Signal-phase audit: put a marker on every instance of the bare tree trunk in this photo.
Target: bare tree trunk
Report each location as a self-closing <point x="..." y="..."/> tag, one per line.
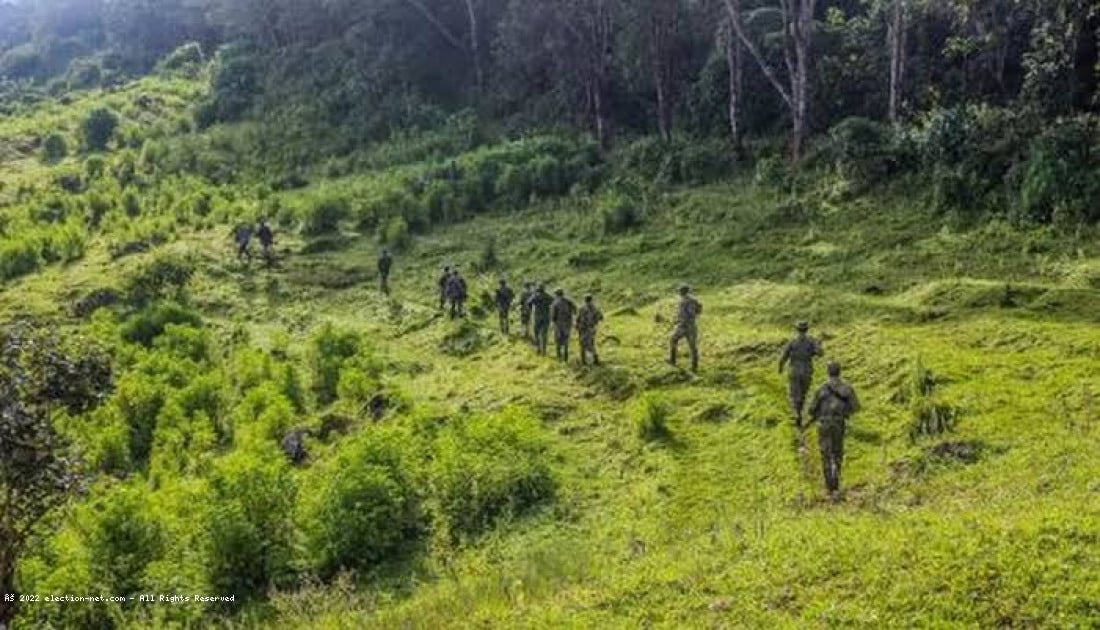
<point x="895" y="34"/>
<point x="602" y="62"/>
<point x="734" y="63"/>
<point x="475" y="46"/>
<point x="662" y="18"/>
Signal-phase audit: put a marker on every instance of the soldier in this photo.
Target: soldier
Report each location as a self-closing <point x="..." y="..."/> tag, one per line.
<point x="833" y="404"/>
<point x="242" y="234"/>
<point x="456" y="293"/>
<point x="800" y="352"/>
<point x="504" y="298"/>
<point x="539" y="303"/>
<point x="562" y="312"/>
<point x="267" y="239"/>
<point x="587" y="319"/>
<point x="385" y="263"/>
<point x="442" y="285"/>
<point x="525" y="307"/>
<point x="686" y="327"/>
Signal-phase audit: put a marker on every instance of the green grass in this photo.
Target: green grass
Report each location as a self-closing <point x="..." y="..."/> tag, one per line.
<point x="722" y="520"/>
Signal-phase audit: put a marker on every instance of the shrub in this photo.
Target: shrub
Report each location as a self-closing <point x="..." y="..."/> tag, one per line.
<point x="330" y="349"/>
<point x="489" y="467"/>
<point x="84" y="74"/>
<point x="1060" y="174"/>
<point x="164" y="277"/>
<point x="94" y="167"/>
<point x="98" y="128"/>
<point x="146" y="325"/>
<point x="324" y="216"/>
<point x="187" y="58"/>
<point x="359" y="509"/>
<point x="395" y="233"/>
<point x="123" y="534"/>
<point x="861" y="150"/>
<point x="18" y="257"/>
<point x="651" y="418"/>
<point x="54" y="148"/>
<point x="618" y="212"/>
<point x="250" y="524"/>
<point x="137" y="402"/>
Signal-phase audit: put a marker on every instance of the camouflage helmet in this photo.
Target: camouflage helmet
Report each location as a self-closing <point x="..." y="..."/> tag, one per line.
<point x="833" y="369"/>
<point x="802" y="326"/>
<point x="684" y="289"/>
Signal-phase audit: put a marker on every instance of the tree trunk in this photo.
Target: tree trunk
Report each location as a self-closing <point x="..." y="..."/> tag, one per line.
<point x="475" y="46"/>
<point x="734" y="61"/>
<point x="662" y="17"/>
<point x="603" y="58"/>
<point x="7" y="589"/>
<point x="895" y="34"/>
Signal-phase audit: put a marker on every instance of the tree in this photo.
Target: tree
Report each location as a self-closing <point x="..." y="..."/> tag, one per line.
<point x="797" y="36"/>
<point x="896" y="41"/>
<point x="38" y="376"/>
<point x="98" y="128"/>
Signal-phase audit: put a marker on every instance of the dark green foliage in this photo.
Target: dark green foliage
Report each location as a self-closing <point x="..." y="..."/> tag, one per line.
<point x="84" y="74"/>
<point x="1061" y="179"/>
<point x="862" y="150"/>
<point x="251" y="525"/>
<point x="187" y="58"/>
<point x="359" y="509"/>
<point x="234" y="85"/>
<point x="651" y="419"/>
<point x="677" y="161"/>
<point x="163" y="277"/>
<point x="146" y="325"/>
<point x="619" y="212"/>
<point x="54" y="148"/>
<point x="486" y="468"/>
<point x="18" y="257"/>
<point x="324" y="216"/>
<point x="98" y="128"/>
<point x="123" y="535"/>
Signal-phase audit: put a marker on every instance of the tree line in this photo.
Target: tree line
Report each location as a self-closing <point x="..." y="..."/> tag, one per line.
<point x="739" y="67"/>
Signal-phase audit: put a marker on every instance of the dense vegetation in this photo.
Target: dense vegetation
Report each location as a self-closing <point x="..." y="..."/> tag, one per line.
<point x="923" y="188"/>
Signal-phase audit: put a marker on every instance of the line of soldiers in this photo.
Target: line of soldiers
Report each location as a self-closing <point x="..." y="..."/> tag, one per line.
<point x="453" y="292"/>
<point x="538" y="312"/>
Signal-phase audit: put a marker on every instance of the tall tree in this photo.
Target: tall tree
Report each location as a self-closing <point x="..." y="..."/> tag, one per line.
<point x="896" y="40"/>
<point x="797" y="18"/>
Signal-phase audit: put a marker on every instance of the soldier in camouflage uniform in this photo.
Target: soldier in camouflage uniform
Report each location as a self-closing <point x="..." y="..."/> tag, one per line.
<point x="686" y="327"/>
<point x="442" y="286"/>
<point x="588" y="318"/>
<point x="539" y="303"/>
<point x="562" y="312"/>
<point x="833" y="404"/>
<point x="504" y="297"/>
<point x="456" y="294"/>
<point x="525" y="307"/>
<point x="800" y="352"/>
<point x="385" y="263"/>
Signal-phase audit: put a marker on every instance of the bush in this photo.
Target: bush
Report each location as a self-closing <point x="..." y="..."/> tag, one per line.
<point x="164" y="277"/>
<point x="186" y="58"/>
<point x="250" y="524"/>
<point x="1061" y="175"/>
<point x="234" y="85"/>
<point x="651" y="418"/>
<point x="618" y="212"/>
<point x="94" y="167"/>
<point x="359" y="509"/>
<point x="145" y="326"/>
<point x="395" y="233"/>
<point x="84" y="74"/>
<point x="486" y="468"/>
<point x="861" y="150"/>
<point x="330" y="349"/>
<point x="98" y="128"/>
<point x="137" y="403"/>
<point x="54" y="148"/>
<point x="324" y="216"/>
<point x="18" y="257"/>
<point x="123" y="535"/>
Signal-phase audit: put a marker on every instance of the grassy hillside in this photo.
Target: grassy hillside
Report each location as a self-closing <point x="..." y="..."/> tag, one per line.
<point x="498" y="489"/>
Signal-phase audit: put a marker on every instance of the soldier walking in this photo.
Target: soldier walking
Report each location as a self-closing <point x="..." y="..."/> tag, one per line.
<point x="800" y="352"/>
<point x="562" y="312"/>
<point x="686" y="327"/>
<point x="441" y="284"/>
<point x="833" y="404"/>
<point x="525" y="307"/>
<point x="242" y="235"/>
<point x="539" y="303"/>
<point x="588" y="318"/>
<point x="456" y="294"/>
<point x="267" y="240"/>
<point x="504" y="298"/>
<point x="385" y="263"/>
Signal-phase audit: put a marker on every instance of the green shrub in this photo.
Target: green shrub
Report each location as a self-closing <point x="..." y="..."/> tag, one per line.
<point x="84" y="74"/>
<point x="359" y="509"/>
<point x="18" y="257"/>
<point x="619" y="213"/>
<point x="486" y="468"/>
<point x="54" y="148"/>
<point x="137" y="402"/>
<point x="123" y="534"/>
<point x="324" y="216"/>
<point x="146" y="325"/>
<point x="251" y="526"/>
<point x="164" y="277"/>
<point x="651" y="418"/>
<point x="186" y="58"/>
<point x="94" y="167"/>
<point x="861" y="150"/>
<point x="395" y="233"/>
<point x="1061" y="174"/>
<point x="330" y="348"/>
<point x="98" y="128"/>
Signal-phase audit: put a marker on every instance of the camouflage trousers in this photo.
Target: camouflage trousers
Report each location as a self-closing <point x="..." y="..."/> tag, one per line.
<point x="542" y="330"/>
<point x="690" y="332"/>
<point x="830" y="437"/>
<point x="588" y="345"/>
<point x="384" y="283"/>
<point x="504" y="320"/>
<point x="525" y="319"/>
<point x="798" y="387"/>
<point x="561" y="341"/>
